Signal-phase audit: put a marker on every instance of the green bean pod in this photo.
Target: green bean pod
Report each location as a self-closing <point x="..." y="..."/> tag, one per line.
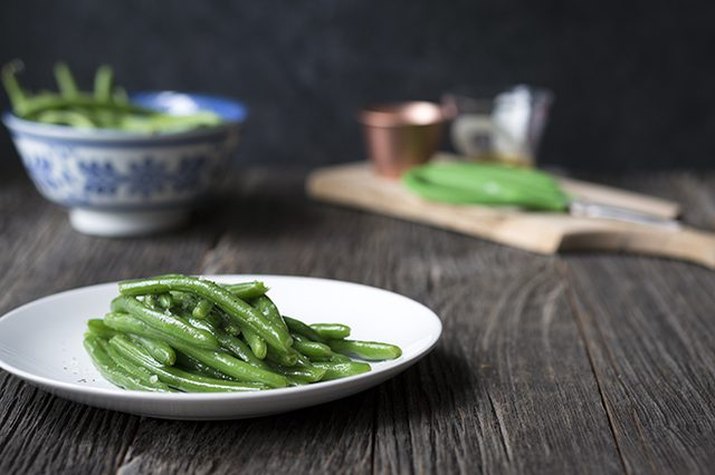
<point x="256" y="343"/>
<point x="202" y="308"/>
<point x="165" y="322"/>
<point x="103" y="82"/>
<point x="285" y="359"/>
<point x="275" y="336"/>
<point x="109" y="369"/>
<point x="226" y="323"/>
<point x="159" y="350"/>
<point x="140" y="372"/>
<point x="300" y="328"/>
<point x="301" y="374"/>
<point x="269" y="310"/>
<point x="366" y="350"/>
<point x="174" y="377"/>
<point x="65" y="81"/>
<point x="97" y="327"/>
<point x="126" y="323"/>
<point x="150" y="301"/>
<point x="165" y="301"/>
<point x="331" y="331"/>
<point x="229" y="342"/>
<point x="312" y="349"/>
<point x="339" y="358"/>
<point x="234" y="367"/>
<point x="18" y="97"/>
<point x="191" y="365"/>
<point x="247" y="290"/>
<point x="342" y="369"/>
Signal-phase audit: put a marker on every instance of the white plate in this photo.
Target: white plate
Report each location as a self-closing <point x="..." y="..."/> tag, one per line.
<point x="41" y="342"/>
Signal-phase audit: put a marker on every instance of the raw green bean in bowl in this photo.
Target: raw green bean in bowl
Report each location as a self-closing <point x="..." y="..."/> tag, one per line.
<point x="180" y="333"/>
<point x="123" y="164"/>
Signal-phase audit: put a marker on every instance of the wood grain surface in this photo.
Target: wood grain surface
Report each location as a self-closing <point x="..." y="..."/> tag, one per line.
<point x="586" y="363"/>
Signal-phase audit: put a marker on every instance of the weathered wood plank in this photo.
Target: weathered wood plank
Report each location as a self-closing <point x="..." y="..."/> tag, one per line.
<point x="40" y="433"/>
<point x="324" y="439"/>
<point x="41" y="255"/>
<point x="510" y="388"/>
<point x="649" y="331"/>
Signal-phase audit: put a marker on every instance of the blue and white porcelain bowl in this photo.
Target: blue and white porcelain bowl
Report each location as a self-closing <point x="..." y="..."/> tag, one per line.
<point x="118" y="183"/>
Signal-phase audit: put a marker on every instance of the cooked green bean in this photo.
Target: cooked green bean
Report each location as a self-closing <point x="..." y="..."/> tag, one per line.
<point x="275" y="336"/>
<point x="342" y="369"/>
<point x="125" y="323"/>
<point x="103" y="83"/>
<point x="165" y="301"/>
<point x="234" y="367"/>
<point x="231" y="328"/>
<point x="244" y="291"/>
<point x="166" y="323"/>
<point x="296" y="326"/>
<point x="286" y="359"/>
<point x="247" y="290"/>
<point x="109" y="369"/>
<point x="174" y="377"/>
<point x="229" y="342"/>
<point x="241" y="349"/>
<point x="142" y="373"/>
<point x="255" y="342"/>
<point x="97" y="327"/>
<point x="312" y="349"/>
<point x="269" y="310"/>
<point x="331" y="331"/>
<point x="217" y="360"/>
<point x="202" y="309"/>
<point x="159" y="350"/>
<point x="366" y="350"/>
<point x="487" y="184"/>
<point x="150" y="301"/>
<point x="303" y="374"/>
<point x="190" y="364"/>
<point x="339" y="358"/>
<point x="18" y="97"/>
<point x="65" y="81"/>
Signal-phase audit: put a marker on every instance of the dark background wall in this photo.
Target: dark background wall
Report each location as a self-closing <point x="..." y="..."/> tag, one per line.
<point x="635" y="84"/>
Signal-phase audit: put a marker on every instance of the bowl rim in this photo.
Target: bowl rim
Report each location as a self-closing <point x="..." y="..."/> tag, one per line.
<point x="17" y="125"/>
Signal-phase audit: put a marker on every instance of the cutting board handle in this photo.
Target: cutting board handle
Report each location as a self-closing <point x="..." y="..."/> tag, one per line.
<point x="686" y="243"/>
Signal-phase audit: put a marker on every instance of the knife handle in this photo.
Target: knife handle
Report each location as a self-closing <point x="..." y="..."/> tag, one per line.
<point x="687" y="244"/>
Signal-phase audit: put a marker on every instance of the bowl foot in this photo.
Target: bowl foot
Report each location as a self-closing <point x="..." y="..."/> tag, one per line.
<point x="125" y="223"/>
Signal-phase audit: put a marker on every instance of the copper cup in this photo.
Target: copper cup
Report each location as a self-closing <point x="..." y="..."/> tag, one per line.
<point x="401" y="135"/>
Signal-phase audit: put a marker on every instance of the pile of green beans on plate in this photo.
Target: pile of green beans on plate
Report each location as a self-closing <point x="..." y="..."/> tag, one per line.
<point x="181" y="333"/>
<point x="106" y="107"/>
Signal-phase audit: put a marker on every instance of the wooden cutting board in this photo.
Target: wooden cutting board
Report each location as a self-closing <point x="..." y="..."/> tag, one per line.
<point x="355" y="185"/>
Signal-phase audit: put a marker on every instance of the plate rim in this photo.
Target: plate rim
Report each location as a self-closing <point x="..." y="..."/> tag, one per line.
<point x="127" y="394"/>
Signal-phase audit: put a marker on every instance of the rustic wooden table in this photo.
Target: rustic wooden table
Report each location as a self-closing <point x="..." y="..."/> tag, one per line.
<point x="579" y="363"/>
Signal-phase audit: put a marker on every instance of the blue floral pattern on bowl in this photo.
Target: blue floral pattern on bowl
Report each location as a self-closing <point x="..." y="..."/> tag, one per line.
<point x="120" y="171"/>
<point x="93" y="176"/>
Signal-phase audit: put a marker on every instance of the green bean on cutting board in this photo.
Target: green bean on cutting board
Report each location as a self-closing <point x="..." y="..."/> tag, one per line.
<point x="486" y="184"/>
<point x="181" y="333"/>
<point x="105" y="107"/>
